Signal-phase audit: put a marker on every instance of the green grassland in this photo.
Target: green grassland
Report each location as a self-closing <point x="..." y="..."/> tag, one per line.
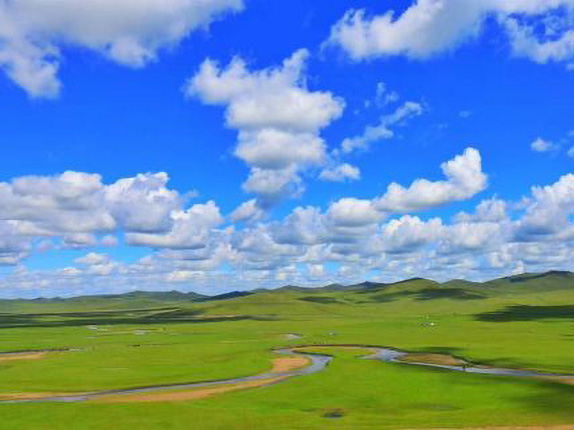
<point x="142" y="339"/>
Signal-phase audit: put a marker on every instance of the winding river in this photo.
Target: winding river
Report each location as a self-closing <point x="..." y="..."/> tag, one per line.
<point x="317" y="362"/>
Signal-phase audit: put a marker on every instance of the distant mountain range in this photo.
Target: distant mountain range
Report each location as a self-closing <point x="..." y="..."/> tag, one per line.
<point x="531" y="282"/>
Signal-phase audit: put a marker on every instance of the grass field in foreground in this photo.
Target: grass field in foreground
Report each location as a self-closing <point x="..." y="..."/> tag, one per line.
<point x="187" y="341"/>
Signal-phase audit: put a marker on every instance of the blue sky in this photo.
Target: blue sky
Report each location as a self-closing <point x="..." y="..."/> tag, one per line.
<point x="234" y="144"/>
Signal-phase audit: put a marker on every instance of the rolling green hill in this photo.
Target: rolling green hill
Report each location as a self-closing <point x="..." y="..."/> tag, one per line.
<point x="415" y="289"/>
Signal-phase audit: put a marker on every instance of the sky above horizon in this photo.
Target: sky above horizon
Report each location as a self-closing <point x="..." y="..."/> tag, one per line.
<point x="217" y="145"/>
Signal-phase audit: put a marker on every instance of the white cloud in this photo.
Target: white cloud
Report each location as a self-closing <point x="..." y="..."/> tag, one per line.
<point x="548" y="212"/>
<point x="382" y="130"/>
<point x="409" y="233"/>
<point x="542" y="145"/>
<point x="463" y="237"/>
<point x="184" y="276"/>
<point x="69" y="203"/>
<point x="273" y="185"/>
<point x="431" y="27"/>
<point x="248" y="211"/>
<point x="464" y="180"/>
<point x="101" y="269"/>
<point x="191" y="229"/>
<point x="316" y="271"/>
<point x="13" y="246"/>
<point x="76" y="202"/>
<point x="352" y="238"/>
<point x="384" y="96"/>
<point x="143" y="203"/>
<point x="70" y="271"/>
<point x="490" y="210"/>
<point x="274" y="149"/>
<point x="270" y="98"/>
<point x="129" y="32"/>
<point x="79" y="240"/>
<point x="425" y="28"/>
<point x="93" y="264"/>
<point x="81" y="211"/>
<point x="303" y="226"/>
<point x="571" y="152"/>
<point x="556" y="45"/>
<point x="351" y="212"/>
<point x="340" y="173"/>
<point x="92" y="259"/>
<point x="109" y="240"/>
<point x="278" y="119"/>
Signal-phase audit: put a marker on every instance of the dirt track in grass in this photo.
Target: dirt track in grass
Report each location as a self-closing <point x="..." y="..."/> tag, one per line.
<point x="186" y="395"/>
<point x="287" y="364"/>
<point x="22" y="356"/>
<point x="439" y="359"/>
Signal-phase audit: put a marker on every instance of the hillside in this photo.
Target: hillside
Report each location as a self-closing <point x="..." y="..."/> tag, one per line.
<point x="296" y="299"/>
<point x="131" y="300"/>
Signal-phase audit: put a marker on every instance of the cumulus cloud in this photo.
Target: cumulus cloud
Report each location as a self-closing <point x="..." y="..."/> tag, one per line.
<point x="81" y="211"/>
<point x="92" y="258"/>
<point x="77" y="202"/>
<point x="548" y="212"/>
<point x="68" y="203"/>
<point x="316" y="271"/>
<point x="351" y="212"/>
<point x="179" y="276"/>
<point x="350" y="239"/>
<point x="555" y="44"/>
<point x="272" y="186"/>
<point x="247" y="211"/>
<point x="425" y="28"/>
<point x="472" y="236"/>
<point x="542" y="145"/>
<point x="274" y="149"/>
<point x="382" y="131"/>
<point x="93" y="264"/>
<point x="430" y="27"/>
<point x="79" y="240"/>
<point x="303" y="226"/>
<point x="143" y="203"/>
<point x="191" y="229"/>
<point x="128" y="32"/>
<point x="464" y="180"/>
<point x="13" y="246"/>
<point x="409" y="233"/>
<point x="277" y="117"/>
<point x="345" y="224"/>
<point x="340" y="173"/>
<point x="109" y="240"/>
<point x="490" y="210"/>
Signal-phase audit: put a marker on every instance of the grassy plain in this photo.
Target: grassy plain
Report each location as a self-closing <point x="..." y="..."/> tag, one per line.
<point x="522" y="322"/>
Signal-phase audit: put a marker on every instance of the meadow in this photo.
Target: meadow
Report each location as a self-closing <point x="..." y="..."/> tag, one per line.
<point x="136" y="340"/>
